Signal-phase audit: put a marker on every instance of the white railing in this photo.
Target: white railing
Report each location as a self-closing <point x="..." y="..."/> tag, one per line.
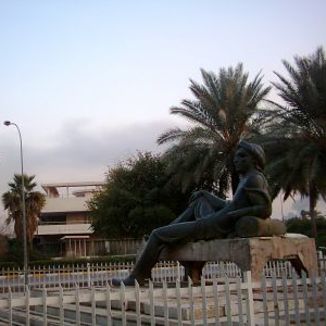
<point x="66" y="276"/>
<point x="99" y="274"/>
<point x="64" y="229"/>
<point x="273" y="301"/>
<point x="86" y="275"/>
<point x="321" y="256"/>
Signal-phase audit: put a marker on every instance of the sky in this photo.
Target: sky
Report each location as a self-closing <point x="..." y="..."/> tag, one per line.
<point x="91" y="82"/>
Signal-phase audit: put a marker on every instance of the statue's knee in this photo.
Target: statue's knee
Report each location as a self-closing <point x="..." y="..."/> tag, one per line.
<point x="154" y="234"/>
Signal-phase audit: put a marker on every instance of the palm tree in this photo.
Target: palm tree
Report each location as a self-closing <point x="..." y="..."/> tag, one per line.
<point x="34" y="201"/>
<point x="223" y="111"/>
<point x="299" y="157"/>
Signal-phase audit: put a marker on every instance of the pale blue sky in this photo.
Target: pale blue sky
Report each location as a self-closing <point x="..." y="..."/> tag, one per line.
<point x="89" y="82"/>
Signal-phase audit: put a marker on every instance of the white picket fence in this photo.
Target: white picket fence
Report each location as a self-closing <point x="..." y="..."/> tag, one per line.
<point x="67" y="276"/>
<point x="100" y="274"/>
<point x="81" y="295"/>
<point x="220" y="301"/>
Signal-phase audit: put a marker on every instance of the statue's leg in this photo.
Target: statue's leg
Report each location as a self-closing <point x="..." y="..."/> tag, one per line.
<point x="199" y="208"/>
<point x="186" y="216"/>
<point x="160" y="237"/>
<point x="202" y="208"/>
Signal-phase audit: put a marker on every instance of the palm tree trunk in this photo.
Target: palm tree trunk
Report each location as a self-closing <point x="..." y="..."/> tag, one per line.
<point x="313" y="195"/>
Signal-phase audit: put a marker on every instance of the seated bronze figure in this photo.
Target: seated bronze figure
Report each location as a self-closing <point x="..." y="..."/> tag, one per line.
<point x="209" y="217"/>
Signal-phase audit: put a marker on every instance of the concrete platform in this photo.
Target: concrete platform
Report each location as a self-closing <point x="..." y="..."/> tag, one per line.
<point x="250" y="254"/>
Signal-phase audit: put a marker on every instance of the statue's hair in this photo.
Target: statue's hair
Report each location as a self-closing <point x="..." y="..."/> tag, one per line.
<point x="256" y="151"/>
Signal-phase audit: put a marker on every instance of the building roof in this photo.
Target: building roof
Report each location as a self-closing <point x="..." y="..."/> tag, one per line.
<point x="52" y="188"/>
<point x="72" y="184"/>
<point x="67" y="237"/>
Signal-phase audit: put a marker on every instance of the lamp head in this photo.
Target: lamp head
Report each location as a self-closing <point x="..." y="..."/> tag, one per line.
<point x="7" y="123"/>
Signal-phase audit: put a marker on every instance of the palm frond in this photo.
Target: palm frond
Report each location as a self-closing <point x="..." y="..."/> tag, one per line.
<point x="223" y="111"/>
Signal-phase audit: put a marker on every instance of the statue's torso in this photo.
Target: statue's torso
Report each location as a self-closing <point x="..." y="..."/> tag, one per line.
<point x="251" y="191"/>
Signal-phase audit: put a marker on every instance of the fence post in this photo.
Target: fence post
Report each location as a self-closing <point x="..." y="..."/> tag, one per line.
<point x="27" y="307"/>
<point x="320" y="260"/>
<point x="93" y="305"/>
<point x="45" y="312"/>
<point x="61" y="309"/>
<point x="89" y="275"/>
<point x="178" y="272"/>
<point x="250" y="299"/>
<point x="10" y="306"/>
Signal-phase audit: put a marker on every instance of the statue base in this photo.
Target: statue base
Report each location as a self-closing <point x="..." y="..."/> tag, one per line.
<point x="250" y="254"/>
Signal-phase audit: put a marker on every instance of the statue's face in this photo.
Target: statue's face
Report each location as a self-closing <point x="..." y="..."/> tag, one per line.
<point x="243" y="161"/>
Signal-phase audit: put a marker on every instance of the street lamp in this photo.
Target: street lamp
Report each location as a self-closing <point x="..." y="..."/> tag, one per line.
<point x="23" y="206"/>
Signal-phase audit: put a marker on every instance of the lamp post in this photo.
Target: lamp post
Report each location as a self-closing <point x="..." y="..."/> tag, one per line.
<point x="23" y="206"/>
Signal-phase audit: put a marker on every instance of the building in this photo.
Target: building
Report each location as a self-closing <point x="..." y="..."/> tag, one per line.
<point x="64" y="227"/>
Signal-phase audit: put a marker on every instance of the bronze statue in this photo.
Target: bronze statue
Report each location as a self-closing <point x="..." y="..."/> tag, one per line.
<point x="209" y="217"/>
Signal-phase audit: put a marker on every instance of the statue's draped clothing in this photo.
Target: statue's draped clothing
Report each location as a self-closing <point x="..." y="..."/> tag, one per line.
<point x="207" y="217"/>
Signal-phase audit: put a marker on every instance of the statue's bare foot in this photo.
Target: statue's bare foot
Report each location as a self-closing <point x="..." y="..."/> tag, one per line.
<point x="128" y="281"/>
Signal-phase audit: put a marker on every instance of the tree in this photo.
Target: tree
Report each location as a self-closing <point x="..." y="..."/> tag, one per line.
<point x="136" y="198"/>
<point x="34" y="202"/>
<point x="223" y="111"/>
<point x="299" y="148"/>
<point x="299" y="225"/>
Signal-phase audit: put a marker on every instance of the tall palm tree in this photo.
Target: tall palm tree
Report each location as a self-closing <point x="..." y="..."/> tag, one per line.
<point x="223" y="111"/>
<point x="34" y="201"/>
<point x="299" y="154"/>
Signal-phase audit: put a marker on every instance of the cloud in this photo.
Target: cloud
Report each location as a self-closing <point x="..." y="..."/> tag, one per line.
<point x="293" y="206"/>
<point x="76" y="152"/>
<point x="79" y="153"/>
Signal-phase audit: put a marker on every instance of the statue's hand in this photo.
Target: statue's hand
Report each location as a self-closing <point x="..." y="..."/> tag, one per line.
<point x="235" y="214"/>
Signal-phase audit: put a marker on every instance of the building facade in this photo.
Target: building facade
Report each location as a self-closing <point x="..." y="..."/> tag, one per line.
<point x="64" y="226"/>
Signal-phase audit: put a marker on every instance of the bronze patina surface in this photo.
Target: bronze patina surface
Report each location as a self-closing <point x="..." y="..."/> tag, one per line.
<point x="209" y="217"/>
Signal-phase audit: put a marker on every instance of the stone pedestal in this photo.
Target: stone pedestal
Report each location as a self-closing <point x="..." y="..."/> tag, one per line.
<point x="250" y="254"/>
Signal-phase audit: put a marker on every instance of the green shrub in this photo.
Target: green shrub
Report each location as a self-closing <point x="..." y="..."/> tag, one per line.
<point x="303" y="226"/>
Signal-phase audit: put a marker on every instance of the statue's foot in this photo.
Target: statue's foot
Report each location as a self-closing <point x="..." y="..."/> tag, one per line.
<point x="128" y="281"/>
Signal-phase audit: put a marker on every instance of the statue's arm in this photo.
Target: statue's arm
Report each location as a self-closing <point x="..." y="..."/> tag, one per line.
<point x="213" y="200"/>
<point x="256" y="192"/>
<point x="256" y="210"/>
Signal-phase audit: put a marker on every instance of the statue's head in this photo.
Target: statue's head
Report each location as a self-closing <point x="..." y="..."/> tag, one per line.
<point x="249" y="155"/>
